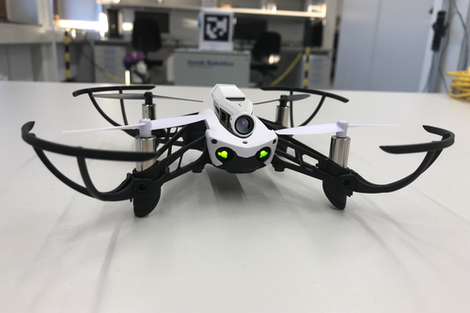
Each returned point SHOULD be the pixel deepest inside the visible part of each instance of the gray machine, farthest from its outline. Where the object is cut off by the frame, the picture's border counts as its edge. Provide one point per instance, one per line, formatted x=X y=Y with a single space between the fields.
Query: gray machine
x=206 y=68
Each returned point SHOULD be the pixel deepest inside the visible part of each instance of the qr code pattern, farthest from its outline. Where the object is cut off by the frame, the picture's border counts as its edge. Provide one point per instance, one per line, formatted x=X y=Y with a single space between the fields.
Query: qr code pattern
x=216 y=28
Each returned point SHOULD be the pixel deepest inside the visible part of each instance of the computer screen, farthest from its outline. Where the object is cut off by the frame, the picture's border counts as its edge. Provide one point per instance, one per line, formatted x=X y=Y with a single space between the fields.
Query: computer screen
x=162 y=18
x=249 y=29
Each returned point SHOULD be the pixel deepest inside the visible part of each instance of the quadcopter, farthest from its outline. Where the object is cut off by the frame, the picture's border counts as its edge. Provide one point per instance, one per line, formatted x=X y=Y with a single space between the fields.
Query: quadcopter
x=229 y=137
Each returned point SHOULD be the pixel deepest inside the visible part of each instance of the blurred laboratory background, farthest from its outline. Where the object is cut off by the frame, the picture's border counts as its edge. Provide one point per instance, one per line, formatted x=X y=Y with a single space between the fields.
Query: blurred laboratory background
x=377 y=45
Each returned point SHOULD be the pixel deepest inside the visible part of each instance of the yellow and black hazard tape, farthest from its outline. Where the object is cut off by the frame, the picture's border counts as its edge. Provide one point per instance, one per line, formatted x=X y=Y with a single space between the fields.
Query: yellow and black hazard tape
x=306 y=66
x=68 y=76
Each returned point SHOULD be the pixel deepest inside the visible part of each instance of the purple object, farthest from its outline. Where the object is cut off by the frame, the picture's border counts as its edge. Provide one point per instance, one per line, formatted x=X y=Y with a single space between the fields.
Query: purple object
x=132 y=58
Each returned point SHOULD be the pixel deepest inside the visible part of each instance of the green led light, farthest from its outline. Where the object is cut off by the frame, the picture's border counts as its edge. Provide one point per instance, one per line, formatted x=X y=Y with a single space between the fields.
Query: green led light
x=263 y=153
x=223 y=154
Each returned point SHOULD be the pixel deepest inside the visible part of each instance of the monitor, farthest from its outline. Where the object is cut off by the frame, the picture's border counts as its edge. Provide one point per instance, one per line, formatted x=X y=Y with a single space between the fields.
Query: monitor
x=249 y=29
x=162 y=18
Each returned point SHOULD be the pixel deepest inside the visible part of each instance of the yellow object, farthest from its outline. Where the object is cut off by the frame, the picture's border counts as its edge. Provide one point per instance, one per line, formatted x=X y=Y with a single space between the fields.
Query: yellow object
x=307 y=66
x=460 y=87
x=115 y=78
x=288 y=70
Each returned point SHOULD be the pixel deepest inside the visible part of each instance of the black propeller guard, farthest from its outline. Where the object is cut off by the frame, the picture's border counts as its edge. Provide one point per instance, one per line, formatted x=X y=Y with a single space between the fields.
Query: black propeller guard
x=144 y=188
x=339 y=182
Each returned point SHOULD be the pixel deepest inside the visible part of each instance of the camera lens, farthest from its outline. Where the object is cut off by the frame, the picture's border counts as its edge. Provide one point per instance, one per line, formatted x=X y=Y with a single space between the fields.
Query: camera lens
x=244 y=125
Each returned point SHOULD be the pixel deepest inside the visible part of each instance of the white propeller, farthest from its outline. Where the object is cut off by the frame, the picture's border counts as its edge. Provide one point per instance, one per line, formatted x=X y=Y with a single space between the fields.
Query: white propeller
x=146 y=126
x=340 y=128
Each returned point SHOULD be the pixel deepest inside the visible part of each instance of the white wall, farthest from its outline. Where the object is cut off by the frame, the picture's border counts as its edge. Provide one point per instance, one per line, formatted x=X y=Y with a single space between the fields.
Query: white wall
x=382 y=44
x=452 y=59
x=22 y=11
x=85 y=10
x=385 y=45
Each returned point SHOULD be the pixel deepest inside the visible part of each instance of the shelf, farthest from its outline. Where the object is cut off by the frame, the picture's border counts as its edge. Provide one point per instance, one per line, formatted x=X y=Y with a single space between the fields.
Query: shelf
x=279 y=13
x=15 y=33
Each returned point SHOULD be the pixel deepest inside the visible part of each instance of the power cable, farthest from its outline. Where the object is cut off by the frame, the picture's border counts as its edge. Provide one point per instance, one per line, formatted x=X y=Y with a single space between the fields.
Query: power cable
x=288 y=70
x=98 y=67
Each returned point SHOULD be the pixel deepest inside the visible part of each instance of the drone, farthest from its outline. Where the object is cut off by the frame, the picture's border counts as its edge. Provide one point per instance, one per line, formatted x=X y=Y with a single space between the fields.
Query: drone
x=229 y=137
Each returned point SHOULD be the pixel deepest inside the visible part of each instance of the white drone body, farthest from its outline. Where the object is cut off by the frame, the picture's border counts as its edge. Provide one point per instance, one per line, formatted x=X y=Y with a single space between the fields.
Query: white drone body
x=236 y=139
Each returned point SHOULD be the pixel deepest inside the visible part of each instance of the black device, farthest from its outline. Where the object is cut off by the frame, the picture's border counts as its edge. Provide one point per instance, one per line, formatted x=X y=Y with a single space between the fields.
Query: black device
x=162 y=18
x=313 y=33
x=249 y=29
x=439 y=28
x=114 y=23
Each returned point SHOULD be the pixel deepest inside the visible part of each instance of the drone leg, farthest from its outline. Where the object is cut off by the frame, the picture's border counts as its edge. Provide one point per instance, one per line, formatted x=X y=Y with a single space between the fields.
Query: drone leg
x=146 y=196
x=336 y=197
x=339 y=153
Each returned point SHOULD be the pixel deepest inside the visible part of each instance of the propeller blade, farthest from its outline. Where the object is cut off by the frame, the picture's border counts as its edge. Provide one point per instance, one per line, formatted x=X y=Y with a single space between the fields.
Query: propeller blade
x=287 y=98
x=135 y=126
x=139 y=96
x=147 y=125
x=266 y=101
x=155 y=124
x=310 y=129
x=367 y=125
x=175 y=98
x=300 y=96
x=177 y=121
x=124 y=96
x=340 y=127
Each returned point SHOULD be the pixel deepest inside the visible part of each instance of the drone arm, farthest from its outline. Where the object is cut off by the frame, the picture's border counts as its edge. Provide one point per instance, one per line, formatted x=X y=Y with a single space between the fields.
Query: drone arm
x=159 y=170
x=196 y=165
x=148 y=183
x=339 y=182
x=282 y=159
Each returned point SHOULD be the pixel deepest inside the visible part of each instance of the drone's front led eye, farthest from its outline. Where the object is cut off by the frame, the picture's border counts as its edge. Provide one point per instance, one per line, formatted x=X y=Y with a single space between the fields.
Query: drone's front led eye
x=263 y=153
x=223 y=154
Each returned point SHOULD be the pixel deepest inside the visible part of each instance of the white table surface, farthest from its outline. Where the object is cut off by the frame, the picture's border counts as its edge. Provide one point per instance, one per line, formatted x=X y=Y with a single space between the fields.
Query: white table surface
x=218 y=242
